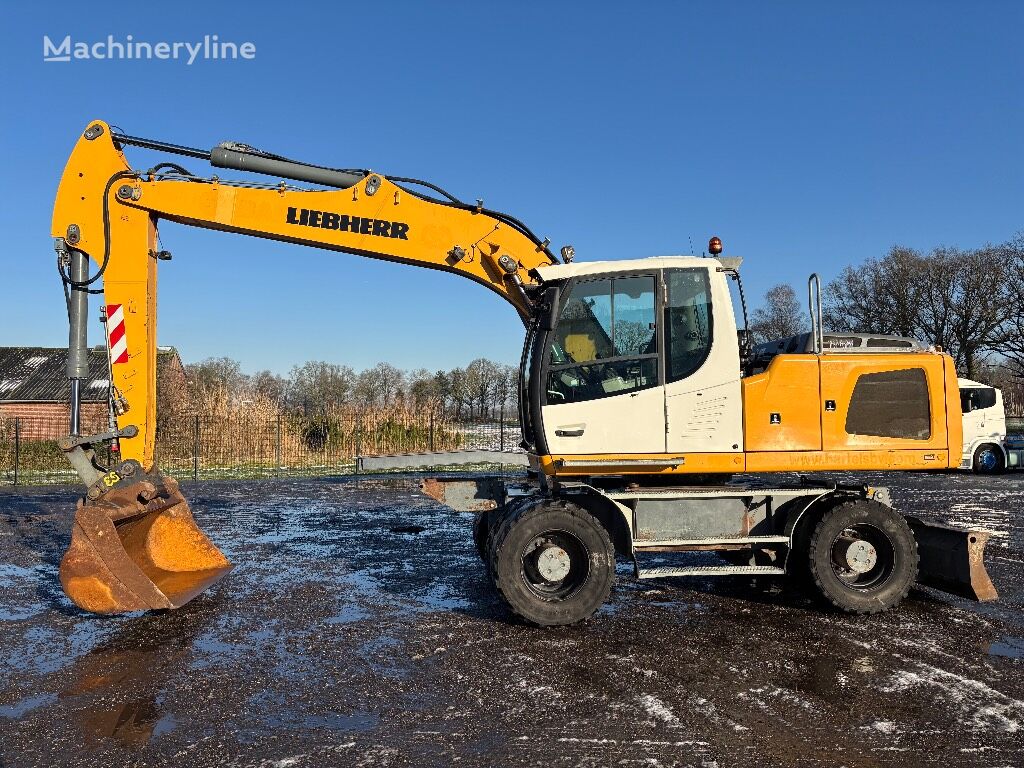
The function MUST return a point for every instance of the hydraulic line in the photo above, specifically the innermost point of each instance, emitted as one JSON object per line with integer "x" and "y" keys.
{"x": 67, "y": 279}
{"x": 246, "y": 158}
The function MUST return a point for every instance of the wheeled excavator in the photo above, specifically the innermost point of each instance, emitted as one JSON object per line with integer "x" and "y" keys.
{"x": 639, "y": 396}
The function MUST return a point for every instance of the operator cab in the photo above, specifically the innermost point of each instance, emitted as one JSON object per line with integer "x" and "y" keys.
{"x": 641, "y": 356}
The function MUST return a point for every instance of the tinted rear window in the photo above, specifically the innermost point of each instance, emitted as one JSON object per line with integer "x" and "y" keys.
{"x": 891, "y": 404}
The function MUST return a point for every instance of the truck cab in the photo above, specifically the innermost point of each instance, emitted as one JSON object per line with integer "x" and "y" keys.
{"x": 985, "y": 450}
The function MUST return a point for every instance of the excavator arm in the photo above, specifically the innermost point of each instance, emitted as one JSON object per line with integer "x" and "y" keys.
{"x": 134, "y": 543}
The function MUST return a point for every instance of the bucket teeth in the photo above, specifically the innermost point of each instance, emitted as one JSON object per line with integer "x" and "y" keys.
{"x": 138, "y": 548}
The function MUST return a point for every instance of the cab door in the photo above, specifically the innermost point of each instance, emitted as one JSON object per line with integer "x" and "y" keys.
{"x": 703, "y": 397}
{"x": 981, "y": 417}
{"x": 602, "y": 393}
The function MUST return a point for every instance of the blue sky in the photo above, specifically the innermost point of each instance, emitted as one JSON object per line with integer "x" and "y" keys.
{"x": 806, "y": 135}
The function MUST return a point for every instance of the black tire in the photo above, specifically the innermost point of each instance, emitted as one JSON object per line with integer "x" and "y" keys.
{"x": 988, "y": 460}
{"x": 886, "y": 534}
{"x": 563, "y": 533}
{"x": 482, "y": 532}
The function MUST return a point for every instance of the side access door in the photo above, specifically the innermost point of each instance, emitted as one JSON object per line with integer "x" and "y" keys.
{"x": 602, "y": 393}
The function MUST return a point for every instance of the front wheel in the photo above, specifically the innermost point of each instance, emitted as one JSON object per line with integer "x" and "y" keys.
{"x": 862, "y": 557}
{"x": 552, "y": 563}
{"x": 988, "y": 460}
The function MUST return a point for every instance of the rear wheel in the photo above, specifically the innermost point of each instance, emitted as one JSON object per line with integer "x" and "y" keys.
{"x": 480, "y": 533}
{"x": 552, "y": 563}
{"x": 862, "y": 557}
{"x": 988, "y": 460}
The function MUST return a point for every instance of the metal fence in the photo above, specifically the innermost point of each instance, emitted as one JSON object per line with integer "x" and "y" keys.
{"x": 199, "y": 447}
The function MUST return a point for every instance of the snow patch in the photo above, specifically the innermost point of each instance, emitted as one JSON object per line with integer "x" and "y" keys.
{"x": 883, "y": 726}
{"x": 981, "y": 706}
{"x": 657, "y": 709}
{"x": 285, "y": 762}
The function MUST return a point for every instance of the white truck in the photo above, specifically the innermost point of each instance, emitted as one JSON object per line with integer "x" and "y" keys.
{"x": 987, "y": 447}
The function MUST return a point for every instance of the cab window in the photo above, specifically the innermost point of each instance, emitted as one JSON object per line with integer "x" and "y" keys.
{"x": 605, "y": 342}
{"x": 688, "y": 322}
{"x": 977, "y": 398}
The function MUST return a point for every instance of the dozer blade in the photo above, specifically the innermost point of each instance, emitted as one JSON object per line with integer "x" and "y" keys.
{"x": 953, "y": 560}
{"x": 137, "y": 548}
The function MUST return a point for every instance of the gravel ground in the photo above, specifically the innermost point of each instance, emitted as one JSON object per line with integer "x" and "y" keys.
{"x": 359, "y": 628}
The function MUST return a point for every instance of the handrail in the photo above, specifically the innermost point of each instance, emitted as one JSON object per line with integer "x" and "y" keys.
{"x": 814, "y": 293}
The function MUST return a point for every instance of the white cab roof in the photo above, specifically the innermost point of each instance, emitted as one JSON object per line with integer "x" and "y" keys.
{"x": 578, "y": 268}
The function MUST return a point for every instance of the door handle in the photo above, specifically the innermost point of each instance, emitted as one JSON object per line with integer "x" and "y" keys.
{"x": 569, "y": 432}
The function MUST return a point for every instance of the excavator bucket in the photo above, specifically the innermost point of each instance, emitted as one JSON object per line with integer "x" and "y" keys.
{"x": 953, "y": 560}
{"x": 137, "y": 548}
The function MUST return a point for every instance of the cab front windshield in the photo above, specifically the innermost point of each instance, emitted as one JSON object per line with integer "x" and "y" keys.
{"x": 605, "y": 342}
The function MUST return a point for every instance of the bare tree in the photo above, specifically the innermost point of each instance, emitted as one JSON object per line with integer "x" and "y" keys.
{"x": 381, "y": 385}
{"x": 318, "y": 386}
{"x": 460, "y": 392}
{"x": 981, "y": 305}
{"x": 422, "y": 389}
{"x": 781, "y": 315}
{"x": 966, "y": 301}
{"x": 217, "y": 371}
{"x": 480, "y": 377}
{"x": 270, "y": 386}
{"x": 878, "y": 296}
{"x": 1013, "y": 349}
{"x": 506, "y": 389}
{"x": 215, "y": 384}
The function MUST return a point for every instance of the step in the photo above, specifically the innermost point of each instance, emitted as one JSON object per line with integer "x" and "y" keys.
{"x": 710, "y": 570}
{"x": 751, "y": 540}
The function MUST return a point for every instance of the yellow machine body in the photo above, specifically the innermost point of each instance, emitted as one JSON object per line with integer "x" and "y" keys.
{"x": 809, "y": 435}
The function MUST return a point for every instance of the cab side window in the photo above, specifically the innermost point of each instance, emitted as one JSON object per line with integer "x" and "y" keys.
{"x": 688, "y": 322}
{"x": 977, "y": 398}
{"x": 605, "y": 342}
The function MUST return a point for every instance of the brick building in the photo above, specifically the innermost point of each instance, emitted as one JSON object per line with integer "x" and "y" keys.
{"x": 34, "y": 388}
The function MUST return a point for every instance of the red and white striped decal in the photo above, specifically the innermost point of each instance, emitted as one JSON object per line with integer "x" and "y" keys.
{"x": 117, "y": 342}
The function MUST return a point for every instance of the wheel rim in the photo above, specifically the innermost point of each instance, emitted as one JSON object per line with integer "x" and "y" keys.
{"x": 863, "y": 557}
{"x": 556, "y": 565}
{"x": 987, "y": 459}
